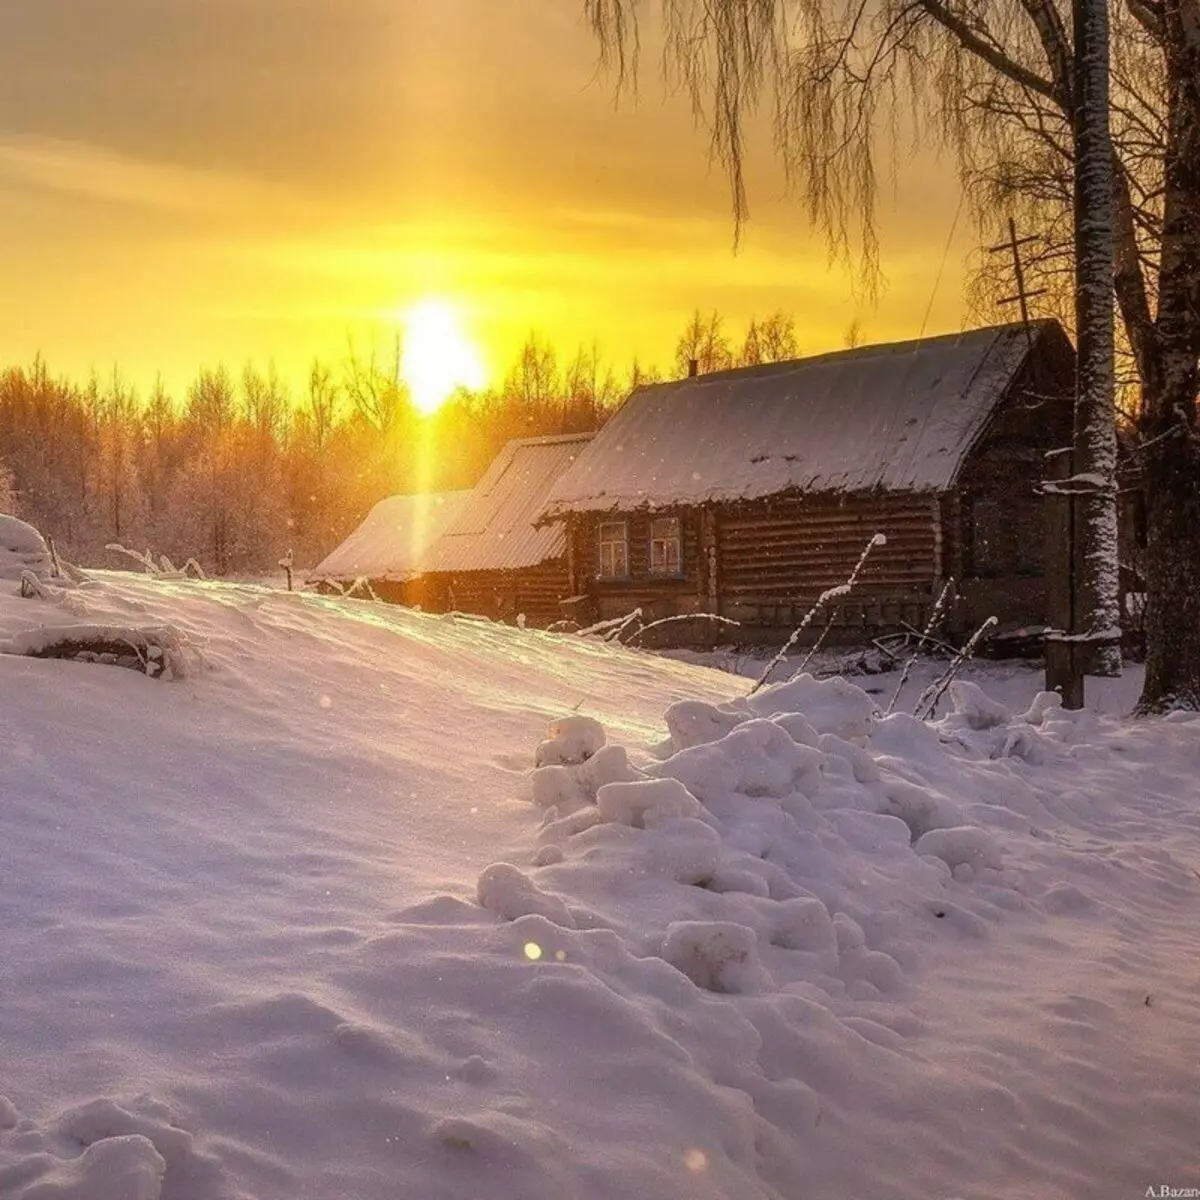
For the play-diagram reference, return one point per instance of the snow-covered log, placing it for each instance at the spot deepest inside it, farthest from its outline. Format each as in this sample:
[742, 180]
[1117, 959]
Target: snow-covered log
[156, 650]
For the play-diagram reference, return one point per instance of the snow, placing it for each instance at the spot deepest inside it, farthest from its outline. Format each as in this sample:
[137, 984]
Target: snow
[393, 538]
[895, 417]
[312, 922]
[22, 549]
[496, 528]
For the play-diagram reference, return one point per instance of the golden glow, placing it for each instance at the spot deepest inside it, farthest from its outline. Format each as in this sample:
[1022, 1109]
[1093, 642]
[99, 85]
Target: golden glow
[533, 951]
[438, 356]
[390, 155]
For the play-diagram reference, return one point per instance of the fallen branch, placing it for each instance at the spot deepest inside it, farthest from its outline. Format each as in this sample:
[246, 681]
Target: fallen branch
[31, 586]
[361, 584]
[630, 618]
[613, 623]
[164, 568]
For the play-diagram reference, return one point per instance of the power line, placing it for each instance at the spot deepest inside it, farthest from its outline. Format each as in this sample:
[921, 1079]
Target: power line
[942, 266]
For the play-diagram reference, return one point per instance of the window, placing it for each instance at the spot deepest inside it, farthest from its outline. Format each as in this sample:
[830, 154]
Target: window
[665, 557]
[614, 550]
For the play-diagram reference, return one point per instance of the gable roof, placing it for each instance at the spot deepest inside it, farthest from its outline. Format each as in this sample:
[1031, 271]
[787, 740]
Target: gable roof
[901, 417]
[494, 530]
[390, 541]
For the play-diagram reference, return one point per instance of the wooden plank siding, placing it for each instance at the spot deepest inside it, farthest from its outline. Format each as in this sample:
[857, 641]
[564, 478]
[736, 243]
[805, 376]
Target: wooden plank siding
[535, 592]
[1013, 577]
[764, 563]
[775, 559]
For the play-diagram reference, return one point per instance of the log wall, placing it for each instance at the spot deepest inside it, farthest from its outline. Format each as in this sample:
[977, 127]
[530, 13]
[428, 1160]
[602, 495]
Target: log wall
[503, 595]
[775, 558]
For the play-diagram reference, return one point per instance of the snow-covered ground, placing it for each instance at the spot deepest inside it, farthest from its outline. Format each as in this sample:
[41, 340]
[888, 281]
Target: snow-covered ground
[308, 922]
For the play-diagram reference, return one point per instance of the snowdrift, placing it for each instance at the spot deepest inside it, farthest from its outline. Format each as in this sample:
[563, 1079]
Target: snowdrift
[376, 903]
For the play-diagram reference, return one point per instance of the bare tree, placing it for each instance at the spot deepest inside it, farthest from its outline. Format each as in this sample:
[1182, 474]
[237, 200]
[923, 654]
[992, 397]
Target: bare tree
[703, 342]
[777, 337]
[752, 351]
[639, 375]
[321, 404]
[994, 84]
[8, 490]
[375, 388]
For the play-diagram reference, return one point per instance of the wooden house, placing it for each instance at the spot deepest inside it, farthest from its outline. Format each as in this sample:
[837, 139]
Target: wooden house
[747, 493]
[494, 558]
[386, 549]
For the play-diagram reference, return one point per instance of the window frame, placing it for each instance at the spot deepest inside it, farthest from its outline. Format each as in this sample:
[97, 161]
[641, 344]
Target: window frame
[676, 537]
[602, 542]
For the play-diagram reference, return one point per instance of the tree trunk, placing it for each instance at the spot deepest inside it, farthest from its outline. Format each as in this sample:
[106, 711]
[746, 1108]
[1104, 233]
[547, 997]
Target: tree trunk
[1097, 616]
[1170, 450]
[1172, 488]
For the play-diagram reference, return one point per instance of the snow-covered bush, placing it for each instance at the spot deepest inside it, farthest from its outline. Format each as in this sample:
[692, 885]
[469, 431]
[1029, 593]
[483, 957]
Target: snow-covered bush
[571, 740]
[719, 956]
[22, 549]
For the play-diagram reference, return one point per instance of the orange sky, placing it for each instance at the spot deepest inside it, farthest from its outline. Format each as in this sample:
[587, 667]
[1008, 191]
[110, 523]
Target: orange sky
[185, 182]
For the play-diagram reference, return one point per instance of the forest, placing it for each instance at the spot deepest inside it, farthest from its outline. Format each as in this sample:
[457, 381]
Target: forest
[244, 467]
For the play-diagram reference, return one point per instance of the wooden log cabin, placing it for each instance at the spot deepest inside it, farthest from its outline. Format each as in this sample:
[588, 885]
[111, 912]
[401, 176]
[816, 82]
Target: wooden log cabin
[494, 557]
[385, 551]
[747, 493]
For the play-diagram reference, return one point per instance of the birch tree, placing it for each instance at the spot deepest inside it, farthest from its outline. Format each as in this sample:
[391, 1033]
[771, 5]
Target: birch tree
[993, 84]
[1098, 611]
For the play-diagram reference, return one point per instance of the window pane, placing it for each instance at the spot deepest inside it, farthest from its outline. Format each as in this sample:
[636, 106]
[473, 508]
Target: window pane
[614, 555]
[664, 546]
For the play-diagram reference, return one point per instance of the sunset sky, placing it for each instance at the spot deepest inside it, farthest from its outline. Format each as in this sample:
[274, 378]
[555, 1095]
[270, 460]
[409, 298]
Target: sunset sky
[186, 182]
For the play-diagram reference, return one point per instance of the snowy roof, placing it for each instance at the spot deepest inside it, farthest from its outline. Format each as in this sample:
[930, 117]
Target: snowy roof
[900, 416]
[390, 542]
[494, 530]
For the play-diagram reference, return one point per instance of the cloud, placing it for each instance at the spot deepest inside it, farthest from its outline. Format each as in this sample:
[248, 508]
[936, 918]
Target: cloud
[96, 173]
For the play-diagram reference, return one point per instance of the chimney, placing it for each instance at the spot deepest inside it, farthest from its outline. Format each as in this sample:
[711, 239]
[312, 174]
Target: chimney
[693, 367]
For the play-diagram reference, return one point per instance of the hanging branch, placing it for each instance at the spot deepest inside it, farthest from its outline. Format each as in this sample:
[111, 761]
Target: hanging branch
[932, 695]
[934, 617]
[833, 593]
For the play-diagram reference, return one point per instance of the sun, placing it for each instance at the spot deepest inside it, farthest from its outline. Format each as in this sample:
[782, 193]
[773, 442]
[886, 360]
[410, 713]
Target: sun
[438, 355]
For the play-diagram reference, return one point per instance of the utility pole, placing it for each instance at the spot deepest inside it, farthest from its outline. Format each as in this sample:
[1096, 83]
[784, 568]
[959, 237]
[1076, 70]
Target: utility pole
[1064, 662]
[1023, 296]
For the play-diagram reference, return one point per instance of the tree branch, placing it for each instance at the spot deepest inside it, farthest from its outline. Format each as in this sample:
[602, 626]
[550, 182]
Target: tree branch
[991, 54]
[1149, 15]
[1053, 35]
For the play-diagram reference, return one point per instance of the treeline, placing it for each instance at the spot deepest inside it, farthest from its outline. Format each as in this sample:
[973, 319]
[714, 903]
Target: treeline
[241, 468]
